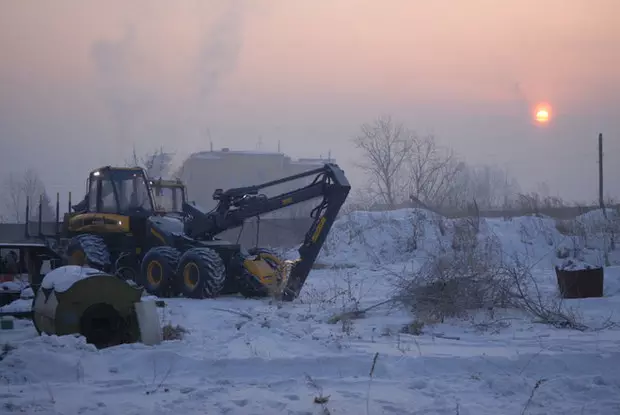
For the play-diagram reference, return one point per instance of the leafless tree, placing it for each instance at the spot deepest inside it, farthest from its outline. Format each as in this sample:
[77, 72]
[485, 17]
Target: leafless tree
[400, 164]
[491, 186]
[386, 149]
[156, 163]
[432, 171]
[18, 188]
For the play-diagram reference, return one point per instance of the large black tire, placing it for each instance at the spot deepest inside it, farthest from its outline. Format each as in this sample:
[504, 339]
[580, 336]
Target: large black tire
[248, 285]
[88, 250]
[158, 271]
[201, 273]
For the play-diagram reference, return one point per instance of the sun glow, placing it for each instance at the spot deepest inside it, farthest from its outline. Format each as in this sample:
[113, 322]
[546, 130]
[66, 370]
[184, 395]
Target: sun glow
[542, 114]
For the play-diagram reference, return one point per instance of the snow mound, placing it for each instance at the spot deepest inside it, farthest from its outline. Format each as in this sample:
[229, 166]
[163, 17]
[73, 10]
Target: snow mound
[20, 305]
[382, 237]
[411, 235]
[62, 278]
[598, 216]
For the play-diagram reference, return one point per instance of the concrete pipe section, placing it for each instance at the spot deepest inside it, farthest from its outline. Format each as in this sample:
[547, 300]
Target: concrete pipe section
[86, 301]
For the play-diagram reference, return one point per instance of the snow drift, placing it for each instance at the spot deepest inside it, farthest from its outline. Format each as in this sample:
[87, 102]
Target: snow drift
[407, 235]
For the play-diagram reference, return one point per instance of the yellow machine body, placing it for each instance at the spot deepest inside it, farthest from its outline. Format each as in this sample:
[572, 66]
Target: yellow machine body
[99, 223]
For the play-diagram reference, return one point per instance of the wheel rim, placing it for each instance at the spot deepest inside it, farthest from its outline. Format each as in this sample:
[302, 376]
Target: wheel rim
[191, 275]
[154, 273]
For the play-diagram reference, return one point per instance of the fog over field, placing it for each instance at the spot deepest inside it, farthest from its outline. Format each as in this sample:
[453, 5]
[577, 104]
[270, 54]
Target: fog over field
[84, 83]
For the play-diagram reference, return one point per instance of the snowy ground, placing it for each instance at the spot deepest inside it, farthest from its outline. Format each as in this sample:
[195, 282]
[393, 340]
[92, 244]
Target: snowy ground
[254, 357]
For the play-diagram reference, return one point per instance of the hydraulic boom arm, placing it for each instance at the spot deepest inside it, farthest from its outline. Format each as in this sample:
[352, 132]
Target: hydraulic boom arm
[237, 205]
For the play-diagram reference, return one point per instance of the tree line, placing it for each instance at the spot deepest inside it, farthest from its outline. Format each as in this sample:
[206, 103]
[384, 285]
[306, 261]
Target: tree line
[400, 167]
[404, 168]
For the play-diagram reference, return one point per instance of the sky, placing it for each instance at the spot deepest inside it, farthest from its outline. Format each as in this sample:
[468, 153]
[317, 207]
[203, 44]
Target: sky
[83, 81]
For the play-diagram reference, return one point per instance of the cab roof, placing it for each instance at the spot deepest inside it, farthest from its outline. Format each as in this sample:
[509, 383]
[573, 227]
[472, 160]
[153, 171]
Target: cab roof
[167, 182]
[114, 168]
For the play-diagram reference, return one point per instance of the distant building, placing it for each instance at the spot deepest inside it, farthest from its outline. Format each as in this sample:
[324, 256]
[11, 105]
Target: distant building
[206, 171]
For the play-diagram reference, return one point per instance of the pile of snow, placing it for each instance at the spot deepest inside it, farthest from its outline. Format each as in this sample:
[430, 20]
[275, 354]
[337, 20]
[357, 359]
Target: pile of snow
[382, 237]
[26, 294]
[407, 235]
[21, 305]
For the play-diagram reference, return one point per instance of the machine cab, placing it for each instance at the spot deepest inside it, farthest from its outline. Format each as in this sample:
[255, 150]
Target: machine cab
[124, 191]
[169, 195]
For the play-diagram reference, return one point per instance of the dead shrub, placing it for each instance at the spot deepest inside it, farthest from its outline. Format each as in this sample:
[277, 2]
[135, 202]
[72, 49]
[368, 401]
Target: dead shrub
[171, 332]
[525, 295]
[454, 282]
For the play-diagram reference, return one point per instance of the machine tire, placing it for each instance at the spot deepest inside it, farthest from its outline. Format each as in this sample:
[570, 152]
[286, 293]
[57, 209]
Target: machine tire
[206, 267]
[158, 271]
[248, 285]
[88, 250]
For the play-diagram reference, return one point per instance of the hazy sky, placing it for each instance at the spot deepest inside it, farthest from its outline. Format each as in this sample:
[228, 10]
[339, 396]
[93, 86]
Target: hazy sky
[81, 81]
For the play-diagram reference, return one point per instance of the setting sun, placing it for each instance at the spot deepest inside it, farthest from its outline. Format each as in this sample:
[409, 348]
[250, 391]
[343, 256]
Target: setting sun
[542, 114]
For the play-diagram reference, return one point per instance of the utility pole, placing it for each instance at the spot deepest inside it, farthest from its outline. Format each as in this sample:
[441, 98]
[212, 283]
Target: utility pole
[600, 173]
[601, 201]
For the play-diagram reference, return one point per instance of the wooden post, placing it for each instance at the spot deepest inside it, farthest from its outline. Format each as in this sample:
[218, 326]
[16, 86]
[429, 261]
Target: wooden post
[26, 230]
[57, 226]
[41, 214]
[601, 200]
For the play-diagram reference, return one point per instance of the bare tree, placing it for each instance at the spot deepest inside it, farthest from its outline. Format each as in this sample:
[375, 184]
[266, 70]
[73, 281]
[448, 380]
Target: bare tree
[19, 189]
[400, 163]
[489, 185]
[15, 200]
[486, 185]
[432, 171]
[156, 163]
[386, 148]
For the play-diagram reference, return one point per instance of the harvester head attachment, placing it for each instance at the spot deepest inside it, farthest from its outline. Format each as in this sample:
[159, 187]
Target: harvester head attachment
[271, 274]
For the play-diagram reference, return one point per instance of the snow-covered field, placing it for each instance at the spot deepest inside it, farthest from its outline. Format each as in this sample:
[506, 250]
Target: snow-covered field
[258, 357]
